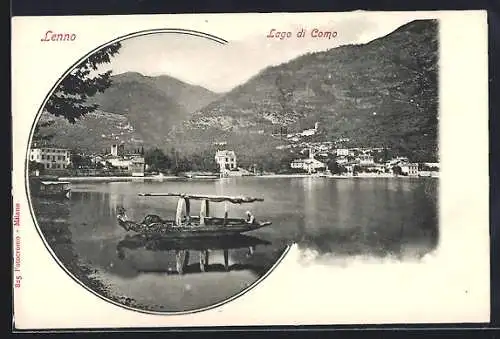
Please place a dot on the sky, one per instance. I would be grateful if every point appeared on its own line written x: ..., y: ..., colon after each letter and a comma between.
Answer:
x: 219, y: 68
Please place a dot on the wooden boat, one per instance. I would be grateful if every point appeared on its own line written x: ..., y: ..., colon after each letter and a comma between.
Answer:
x: 50, y: 189
x: 186, y: 225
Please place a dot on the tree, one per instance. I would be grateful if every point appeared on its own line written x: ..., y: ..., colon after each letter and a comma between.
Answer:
x: 70, y: 98
x: 34, y: 166
x: 38, y: 136
x: 335, y: 168
x: 157, y: 160
x: 397, y: 170
x: 79, y: 161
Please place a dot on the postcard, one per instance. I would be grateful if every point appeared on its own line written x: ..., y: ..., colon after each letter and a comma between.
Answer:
x: 250, y: 169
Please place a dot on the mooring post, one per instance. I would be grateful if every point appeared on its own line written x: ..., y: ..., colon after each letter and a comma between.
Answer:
x: 226, y: 213
x: 178, y: 262
x: 207, y: 208
x: 186, y: 260
x: 203, y: 260
x: 180, y: 208
x: 188, y: 209
x: 203, y: 211
x: 226, y: 259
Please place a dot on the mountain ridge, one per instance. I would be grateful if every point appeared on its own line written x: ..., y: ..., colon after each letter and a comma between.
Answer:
x: 382, y: 93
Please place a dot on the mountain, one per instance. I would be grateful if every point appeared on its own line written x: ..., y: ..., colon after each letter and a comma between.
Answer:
x: 190, y: 97
x: 94, y: 132
x: 382, y: 93
x: 153, y: 105
x: 148, y: 106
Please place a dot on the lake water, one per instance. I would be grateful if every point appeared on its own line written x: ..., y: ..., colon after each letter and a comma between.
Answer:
x: 379, y: 217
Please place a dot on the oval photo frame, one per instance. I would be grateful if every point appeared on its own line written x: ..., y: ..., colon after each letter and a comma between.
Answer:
x: 245, y: 290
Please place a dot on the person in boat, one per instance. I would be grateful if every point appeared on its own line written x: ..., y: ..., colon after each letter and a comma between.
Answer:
x: 250, y: 219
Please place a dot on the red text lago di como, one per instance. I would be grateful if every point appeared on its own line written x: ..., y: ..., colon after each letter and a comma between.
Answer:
x: 302, y: 33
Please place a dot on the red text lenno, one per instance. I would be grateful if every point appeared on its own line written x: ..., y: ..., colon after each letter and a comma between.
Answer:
x: 53, y: 36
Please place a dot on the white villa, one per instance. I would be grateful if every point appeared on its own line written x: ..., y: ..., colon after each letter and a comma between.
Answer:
x: 342, y: 152
x: 309, y: 165
x: 226, y: 160
x: 366, y: 160
x: 409, y: 169
x: 51, y: 158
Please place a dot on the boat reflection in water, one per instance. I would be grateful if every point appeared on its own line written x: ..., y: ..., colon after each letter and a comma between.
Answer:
x: 183, y: 249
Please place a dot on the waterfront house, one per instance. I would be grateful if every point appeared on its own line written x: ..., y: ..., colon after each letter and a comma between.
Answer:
x: 349, y: 169
x: 119, y: 162
x: 226, y: 160
x: 409, y: 169
x: 310, y: 165
x: 137, y: 166
x: 51, y: 157
x: 366, y: 160
x: 379, y: 168
x: 342, y: 152
x: 132, y: 164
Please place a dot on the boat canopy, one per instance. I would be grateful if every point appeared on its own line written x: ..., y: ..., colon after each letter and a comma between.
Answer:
x: 55, y: 182
x: 212, y: 198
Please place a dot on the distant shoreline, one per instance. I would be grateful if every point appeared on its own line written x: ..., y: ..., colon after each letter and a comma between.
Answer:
x: 115, y: 179
x: 265, y: 176
x: 359, y: 176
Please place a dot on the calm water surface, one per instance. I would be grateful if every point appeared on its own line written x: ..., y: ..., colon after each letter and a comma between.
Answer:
x: 342, y: 217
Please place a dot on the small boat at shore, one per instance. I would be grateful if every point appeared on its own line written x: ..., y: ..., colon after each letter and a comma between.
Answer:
x: 50, y: 188
x: 201, y: 176
x: 186, y: 225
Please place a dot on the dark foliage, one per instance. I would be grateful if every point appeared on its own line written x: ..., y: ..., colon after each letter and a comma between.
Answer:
x: 69, y: 99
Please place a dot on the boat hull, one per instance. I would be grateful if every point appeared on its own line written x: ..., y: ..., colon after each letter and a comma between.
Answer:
x: 50, y: 189
x: 63, y: 194
x: 194, y: 230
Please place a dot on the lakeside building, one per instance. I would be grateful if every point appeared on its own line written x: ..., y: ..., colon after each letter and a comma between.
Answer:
x: 133, y: 163
x: 97, y: 159
x: 305, y: 133
x: 310, y: 165
x: 226, y: 160
x: 379, y: 168
x: 137, y: 166
x: 342, y: 152
x: 410, y: 169
x: 349, y: 169
x: 432, y: 164
x: 366, y: 160
x: 51, y: 157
